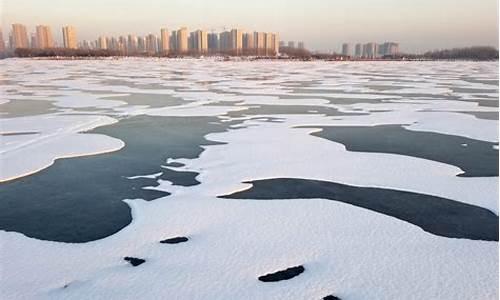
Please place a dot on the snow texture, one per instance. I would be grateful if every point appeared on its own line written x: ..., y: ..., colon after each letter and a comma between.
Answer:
x: 347, y: 251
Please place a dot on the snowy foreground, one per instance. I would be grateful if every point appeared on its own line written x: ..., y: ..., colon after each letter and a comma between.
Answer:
x: 347, y: 251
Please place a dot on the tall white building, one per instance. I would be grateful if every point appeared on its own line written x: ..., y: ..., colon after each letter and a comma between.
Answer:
x: 102, y: 43
x: 44, y: 37
x: 199, y: 40
x: 151, y: 44
x: 182, y: 40
x: 213, y: 42
x: 19, y: 36
x: 165, y: 40
x: 358, y: 50
x: 260, y: 42
x: 2, y: 42
x: 249, y: 41
x: 237, y: 41
x: 225, y: 41
x: 69, y: 37
x: 369, y: 50
x: 346, y: 49
x: 131, y: 43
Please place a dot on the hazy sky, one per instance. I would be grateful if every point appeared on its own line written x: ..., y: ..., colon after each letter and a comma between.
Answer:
x: 322, y: 24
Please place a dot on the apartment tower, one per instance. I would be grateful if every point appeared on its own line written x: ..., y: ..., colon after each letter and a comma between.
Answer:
x: 69, y: 37
x: 165, y: 41
x: 19, y: 36
x: 44, y: 37
x: 182, y: 40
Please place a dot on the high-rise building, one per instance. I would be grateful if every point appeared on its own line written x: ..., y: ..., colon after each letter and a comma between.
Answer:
x: 19, y: 36
x: 301, y: 45
x: 86, y: 45
x: 182, y: 40
x: 165, y: 40
x: 113, y: 43
x: 10, y: 45
x: 291, y: 44
x: 198, y: 41
x: 276, y: 44
x: 225, y: 41
x: 2, y: 42
x: 44, y: 37
x: 248, y: 41
x: 151, y: 44
x: 358, y: 50
x: 122, y: 44
x: 191, y: 41
x: 173, y: 41
x: 213, y: 42
x: 69, y: 37
x: 346, y: 49
x: 203, y: 41
x: 388, y: 48
x: 141, y: 44
x: 236, y: 41
x: 282, y: 44
x: 392, y: 49
x: 102, y: 43
x: 269, y: 44
x: 131, y: 43
x: 369, y: 50
x: 260, y: 42
x: 33, y: 41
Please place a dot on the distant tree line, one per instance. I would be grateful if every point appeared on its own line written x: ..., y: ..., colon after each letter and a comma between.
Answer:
x: 299, y: 53
x: 63, y: 52
x: 470, y: 53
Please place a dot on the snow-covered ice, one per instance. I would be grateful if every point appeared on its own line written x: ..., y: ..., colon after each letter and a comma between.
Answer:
x: 348, y: 251
x: 51, y: 137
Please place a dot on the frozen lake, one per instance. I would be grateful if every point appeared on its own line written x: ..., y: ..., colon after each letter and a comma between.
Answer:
x: 375, y: 180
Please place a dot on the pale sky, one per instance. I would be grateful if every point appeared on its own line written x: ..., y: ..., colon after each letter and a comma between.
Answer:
x: 417, y: 25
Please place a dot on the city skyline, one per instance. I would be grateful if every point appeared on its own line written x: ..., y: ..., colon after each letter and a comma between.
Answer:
x: 175, y: 42
x: 181, y: 41
x: 418, y: 26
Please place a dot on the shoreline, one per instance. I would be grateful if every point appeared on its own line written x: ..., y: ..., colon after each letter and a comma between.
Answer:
x: 242, y: 59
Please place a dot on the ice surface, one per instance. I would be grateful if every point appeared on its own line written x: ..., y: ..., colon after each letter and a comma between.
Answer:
x: 347, y: 251
x: 55, y: 136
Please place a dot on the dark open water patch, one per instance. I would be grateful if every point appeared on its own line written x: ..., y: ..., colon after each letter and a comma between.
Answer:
x: 436, y: 215
x: 333, y: 100
x: 476, y: 158
x: 382, y: 88
x: 80, y: 199
x: 134, y: 261
x: 131, y: 84
x: 485, y: 115
x: 407, y: 95
x: 493, y: 82
x: 290, y: 110
x: 286, y: 274
x: 472, y: 90
x: 331, y: 297
x: 483, y: 101
x: 152, y: 100
x: 175, y: 240
x: 22, y: 108
x: 19, y: 133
